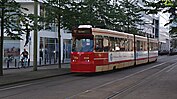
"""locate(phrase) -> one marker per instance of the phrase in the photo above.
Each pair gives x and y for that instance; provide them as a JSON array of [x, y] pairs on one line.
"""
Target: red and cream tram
[[97, 50]]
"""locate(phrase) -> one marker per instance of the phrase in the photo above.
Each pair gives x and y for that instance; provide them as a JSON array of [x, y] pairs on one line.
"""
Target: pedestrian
[[24, 54], [24, 58]]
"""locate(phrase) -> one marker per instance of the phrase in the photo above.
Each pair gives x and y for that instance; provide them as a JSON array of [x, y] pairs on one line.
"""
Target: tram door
[[66, 50]]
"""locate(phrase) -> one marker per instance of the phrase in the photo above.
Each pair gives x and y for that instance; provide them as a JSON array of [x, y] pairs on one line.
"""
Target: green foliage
[[132, 16], [15, 19], [98, 13], [165, 6]]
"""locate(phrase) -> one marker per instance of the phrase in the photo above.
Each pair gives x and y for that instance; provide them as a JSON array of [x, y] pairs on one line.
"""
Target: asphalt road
[[140, 82]]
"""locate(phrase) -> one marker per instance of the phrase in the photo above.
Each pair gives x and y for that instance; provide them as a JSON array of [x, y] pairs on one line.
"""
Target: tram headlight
[[87, 59], [75, 57]]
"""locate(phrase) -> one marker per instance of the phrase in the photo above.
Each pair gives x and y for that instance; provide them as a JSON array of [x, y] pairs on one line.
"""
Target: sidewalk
[[12, 76]]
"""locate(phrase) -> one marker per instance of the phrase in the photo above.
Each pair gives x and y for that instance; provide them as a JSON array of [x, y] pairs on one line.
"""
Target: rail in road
[[115, 88]]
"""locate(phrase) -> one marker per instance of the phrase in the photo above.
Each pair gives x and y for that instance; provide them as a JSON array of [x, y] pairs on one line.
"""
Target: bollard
[[45, 61], [15, 62], [8, 63], [40, 61], [54, 60], [28, 62], [50, 61]]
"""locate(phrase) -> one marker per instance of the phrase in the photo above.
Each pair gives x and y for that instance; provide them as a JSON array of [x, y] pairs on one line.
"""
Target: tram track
[[132, 87], [122, 86], [41, 81], [137, 80], [31, 82]]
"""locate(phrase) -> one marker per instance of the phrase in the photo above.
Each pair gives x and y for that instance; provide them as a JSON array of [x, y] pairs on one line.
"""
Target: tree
[[84, 12], [165, 6], [132, 16], [102, 13], [35, 18], [69, 14], [54, 10], [13, 21]]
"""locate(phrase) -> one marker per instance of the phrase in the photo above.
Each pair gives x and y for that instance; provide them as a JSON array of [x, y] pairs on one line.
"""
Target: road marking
[[138, 84], [13, 87], [86, 91], [161, 57], [171, 67]]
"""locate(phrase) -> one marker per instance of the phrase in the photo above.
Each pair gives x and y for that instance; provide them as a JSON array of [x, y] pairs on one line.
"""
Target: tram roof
[[107, 32], [85, 26]]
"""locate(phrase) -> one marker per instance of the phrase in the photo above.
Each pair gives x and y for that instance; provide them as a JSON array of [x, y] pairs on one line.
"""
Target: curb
[[16, 82], [37, 66]]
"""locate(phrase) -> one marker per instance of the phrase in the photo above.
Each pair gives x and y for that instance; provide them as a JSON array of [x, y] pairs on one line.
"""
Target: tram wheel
[[114, 68]]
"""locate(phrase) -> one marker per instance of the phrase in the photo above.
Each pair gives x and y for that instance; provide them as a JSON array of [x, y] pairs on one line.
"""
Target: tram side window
[[127, 44], [141, 46], [122, 44], [117, 44], [154, 46], [112, 44], [130, 45], [106, 44], [151, 46], [98, 43], [145, 45], [138, 45]]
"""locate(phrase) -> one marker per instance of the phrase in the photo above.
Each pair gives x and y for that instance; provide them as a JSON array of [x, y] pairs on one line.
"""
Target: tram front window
[[83, 45]]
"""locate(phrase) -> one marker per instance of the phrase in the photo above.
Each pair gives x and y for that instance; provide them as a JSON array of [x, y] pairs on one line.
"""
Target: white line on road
[[13, 87], [115, 80], [171, 67], [162, 57]]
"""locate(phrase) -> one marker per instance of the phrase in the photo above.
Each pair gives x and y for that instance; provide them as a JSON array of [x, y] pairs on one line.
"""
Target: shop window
[[11, 48]]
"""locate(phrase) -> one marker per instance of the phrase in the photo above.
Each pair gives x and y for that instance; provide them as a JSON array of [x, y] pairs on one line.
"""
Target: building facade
[[164, 36], [156, 29], [47, 41]]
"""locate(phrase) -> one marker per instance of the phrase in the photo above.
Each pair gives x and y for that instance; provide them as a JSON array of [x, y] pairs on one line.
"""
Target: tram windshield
[[82, 45]]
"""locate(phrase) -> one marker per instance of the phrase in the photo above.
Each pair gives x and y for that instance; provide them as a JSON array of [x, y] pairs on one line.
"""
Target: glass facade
[[66, 50], [11, 48], [11, 52], [49, 49]]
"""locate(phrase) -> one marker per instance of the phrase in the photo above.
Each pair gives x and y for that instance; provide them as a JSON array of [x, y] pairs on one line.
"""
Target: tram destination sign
[[82, 31]]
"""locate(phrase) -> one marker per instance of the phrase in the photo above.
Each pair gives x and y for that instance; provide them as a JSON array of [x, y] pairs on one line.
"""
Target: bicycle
[[9, 58], [23, 62]]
